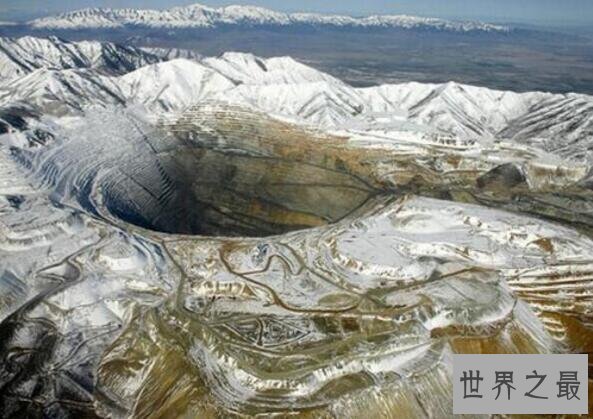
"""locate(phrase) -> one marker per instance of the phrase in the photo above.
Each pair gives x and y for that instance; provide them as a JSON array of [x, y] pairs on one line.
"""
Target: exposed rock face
[[224, 262]]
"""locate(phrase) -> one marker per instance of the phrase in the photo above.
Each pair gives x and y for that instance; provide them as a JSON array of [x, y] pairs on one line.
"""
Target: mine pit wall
[[224, 170], [274, 176]]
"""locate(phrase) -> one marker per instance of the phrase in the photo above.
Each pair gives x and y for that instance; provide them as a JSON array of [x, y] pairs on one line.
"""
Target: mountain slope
[[249, 69], [167, 54], [21, 56], [199, 16], [320, 103], [557, 122], [453, 107], [61, 92], [172, 85]]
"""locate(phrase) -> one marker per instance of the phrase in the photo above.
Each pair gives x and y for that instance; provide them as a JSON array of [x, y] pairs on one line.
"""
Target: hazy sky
[[530, 11]]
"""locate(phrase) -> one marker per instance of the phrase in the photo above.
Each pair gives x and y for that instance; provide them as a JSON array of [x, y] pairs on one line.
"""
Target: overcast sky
[[529, 11]]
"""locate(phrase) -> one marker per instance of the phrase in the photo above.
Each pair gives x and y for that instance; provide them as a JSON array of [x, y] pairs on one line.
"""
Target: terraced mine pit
[[226, 171], [358, 317], [209, 192], [244, 237], [185, 180]]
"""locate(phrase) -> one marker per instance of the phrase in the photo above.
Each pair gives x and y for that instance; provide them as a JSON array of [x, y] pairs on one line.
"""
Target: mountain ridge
[[200, 16], [21, 56], [286, 88]]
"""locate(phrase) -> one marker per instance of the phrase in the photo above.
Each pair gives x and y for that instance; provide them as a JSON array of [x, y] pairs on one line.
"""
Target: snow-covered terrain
[[74, 75], [173, 85], [199, 16], [62, 91], [20, 56], [238, 236]]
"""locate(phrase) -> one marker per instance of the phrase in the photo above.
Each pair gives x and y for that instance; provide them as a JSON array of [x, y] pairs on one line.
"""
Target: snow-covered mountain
[[173, 85], [167, 54], [199, 16], [249, 69], [286, 88], [477, 111], [21, 56], [454, 107], [62, 92]]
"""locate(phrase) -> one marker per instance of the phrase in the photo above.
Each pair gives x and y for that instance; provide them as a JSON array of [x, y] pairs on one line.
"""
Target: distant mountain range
[[363, 51], [200, 16]]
